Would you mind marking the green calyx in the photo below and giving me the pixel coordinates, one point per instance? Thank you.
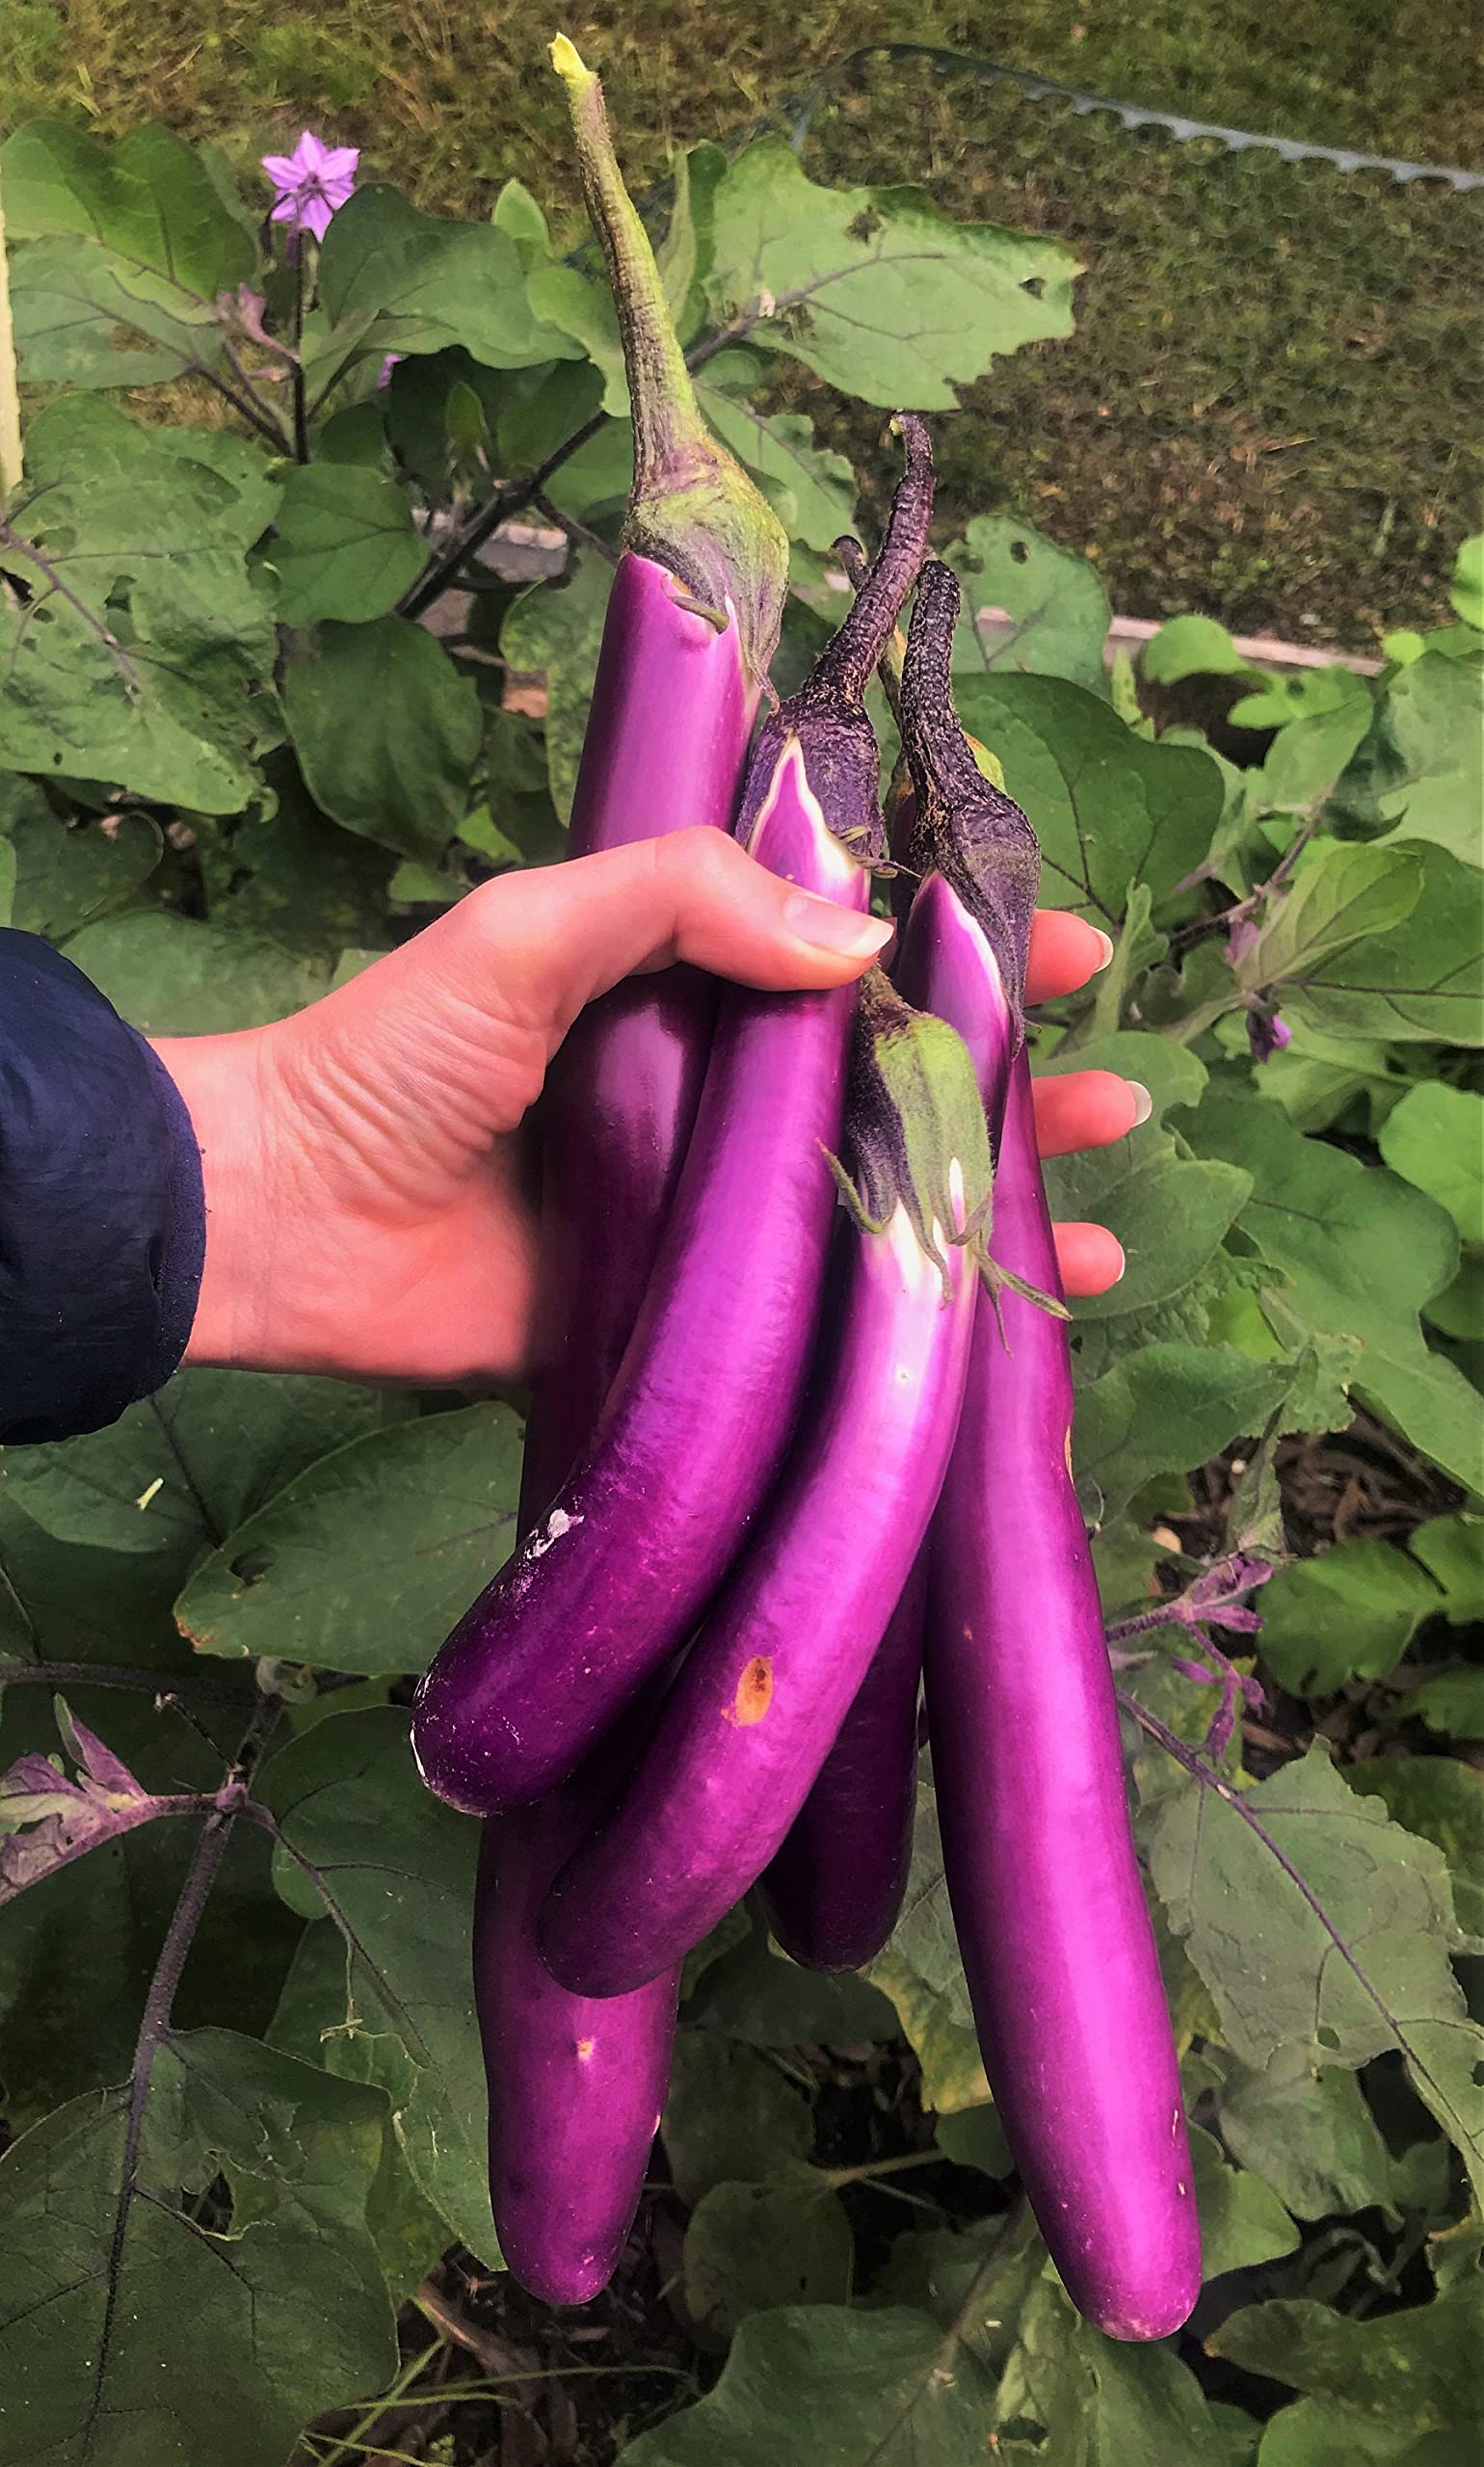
(918, 1139)
(693, 507)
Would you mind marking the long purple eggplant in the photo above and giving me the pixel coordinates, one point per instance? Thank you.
(1057, 1945)
(832, 1890)
(765, 1687)
(602, 1595)
(575, 2087)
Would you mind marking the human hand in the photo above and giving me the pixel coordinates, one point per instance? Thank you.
(367, 1214)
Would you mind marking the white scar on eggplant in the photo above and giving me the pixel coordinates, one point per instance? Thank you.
(557, 1523)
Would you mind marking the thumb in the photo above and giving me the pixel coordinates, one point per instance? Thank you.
(542, 945)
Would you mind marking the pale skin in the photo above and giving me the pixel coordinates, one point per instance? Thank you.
(368, 1211)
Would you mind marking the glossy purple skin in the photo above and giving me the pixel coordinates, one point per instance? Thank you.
(600, 1596)
(765, 1687)
(671, 717)
(576, 2086)
(1052, 1919)
(832, 1892)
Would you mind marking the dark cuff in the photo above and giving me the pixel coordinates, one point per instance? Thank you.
(103, 1216)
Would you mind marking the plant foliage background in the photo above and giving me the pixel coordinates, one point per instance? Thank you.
(272, 697)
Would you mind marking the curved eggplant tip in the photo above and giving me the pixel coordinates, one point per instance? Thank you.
(555, 2277)
(1128, 2304)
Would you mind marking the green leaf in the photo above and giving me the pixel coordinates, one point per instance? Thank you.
(815, 2385)
(1310, 751)
(128, 2318)
(730, 2115)
(140, 653)
(115, 248)
(1097, 2400)
(1468, 591)
(6, 882)
(392, 279)
(1442, 1799)
(1243, 2220)
(1163, 1409)
(1318, 2433)
(874, 288)
(1423, 979)
(1360, 1252)
(1451, 1549)
(1453, 1705)
(394, 1867)
(1343, 894)
(65, 874)
(751, 2245)
(177, 1472)
(1349, 1615)
(555, 632)
(1425, 2357)
(1308, 2132)
(1320, 1925)
(1110, 809)
(173, 977)
(344, 544)
(811, 487)
(387, 732)
(750, 1990)
(366, 1560)
(922, 1972)
(1056, 599)
(1192, 647)
(294, 876)
(975, 2138)
(1435, 1139)
(1435, 743)
(1169, 1210)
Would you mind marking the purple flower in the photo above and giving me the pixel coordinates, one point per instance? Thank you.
(1267, 1033)
(311, 183)
(388, 365)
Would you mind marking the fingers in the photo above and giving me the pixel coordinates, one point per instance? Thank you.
(1087, 1109)
(545, 943)
(1089, 1257)
(1064, 951)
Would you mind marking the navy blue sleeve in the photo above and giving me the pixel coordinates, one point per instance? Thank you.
(103, 1216)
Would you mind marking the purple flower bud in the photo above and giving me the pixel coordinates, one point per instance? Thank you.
(391, 360)
(1267, 1033)
(311, 183)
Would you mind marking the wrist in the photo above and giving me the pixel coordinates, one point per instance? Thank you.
(221, 1079)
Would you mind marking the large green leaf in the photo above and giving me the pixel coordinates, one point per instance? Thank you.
(134, 2327)
(366, 1560)
(66, 874)
(1110, 809)
(1420, 2366)
(1443, 1800)
(1433, 724)
(730, 2115)
(751, 2245)
(1421, 979)
(814, 2385)
(811, 487)
(1164, 1409)
(1243, 2220)
(179, 1471)
(169, 692)
(1359, 1254)
(1308, 2132)
(344, 544)
(1435, 1138)
(1319, 1925)
(1348, 1614)
(120, 252)
(555, 634)
(922, 1972)
(874, 288)
(1056, 599)
(1098, 2400)
(1169, 1209)
(174, 976)
(394, 1869)
(386, 732)
(1342, 894)
(392, 279)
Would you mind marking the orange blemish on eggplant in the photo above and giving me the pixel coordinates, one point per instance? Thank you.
(755, 1693)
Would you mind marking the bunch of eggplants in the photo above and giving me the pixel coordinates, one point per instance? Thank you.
(801, 1437)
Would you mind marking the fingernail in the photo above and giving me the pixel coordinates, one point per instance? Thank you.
(1143, 1103)
(1106, 940)
(1123, 1263)
(833, 928)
